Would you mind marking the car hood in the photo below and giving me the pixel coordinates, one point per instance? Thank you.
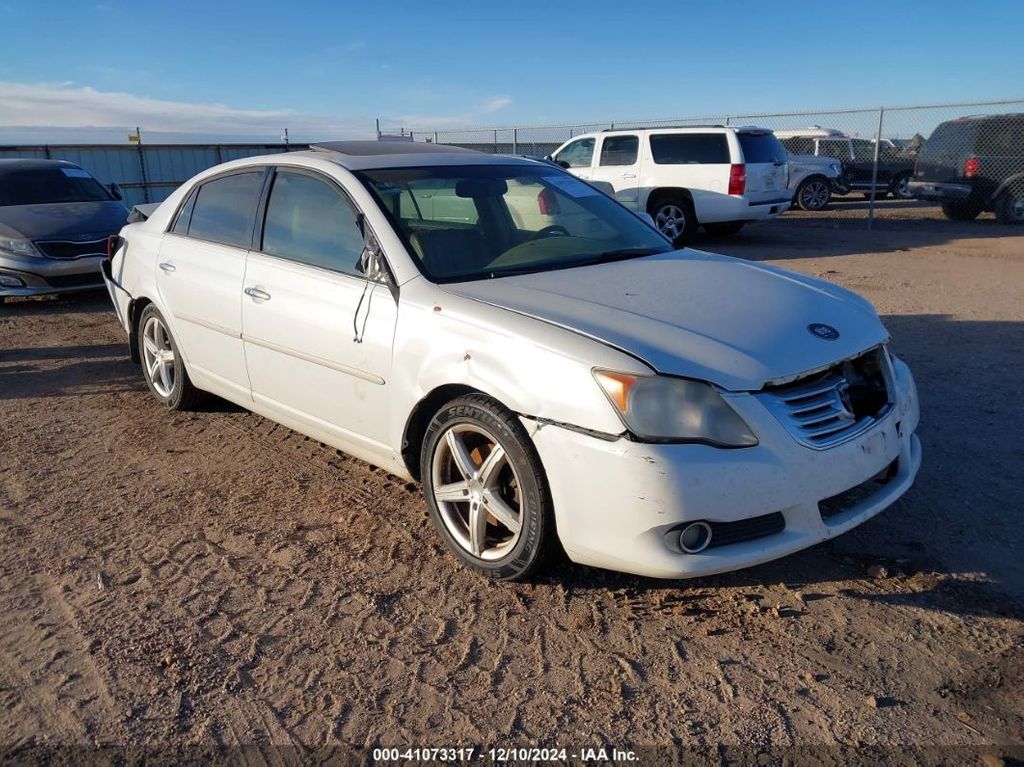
(735, 323)
(64, 220)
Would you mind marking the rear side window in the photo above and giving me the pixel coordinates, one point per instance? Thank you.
(690, 148)
(1001, 137)
(310, 221)
(225, 208)
(185, 215)
(619, 150)
(798, 145)
(759, 148)
(578, 154)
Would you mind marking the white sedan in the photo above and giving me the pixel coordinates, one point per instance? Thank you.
(537, 356)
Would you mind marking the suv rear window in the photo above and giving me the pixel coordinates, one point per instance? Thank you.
(761, 148)
(690, 148)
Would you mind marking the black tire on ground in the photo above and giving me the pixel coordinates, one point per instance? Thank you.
(1010, 207)
(899, 188)
(961, 211)
(723, 230)
(675, 218)
(174, 390)
(480, 425)
(814, 193)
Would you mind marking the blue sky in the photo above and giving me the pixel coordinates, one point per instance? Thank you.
(246, 70)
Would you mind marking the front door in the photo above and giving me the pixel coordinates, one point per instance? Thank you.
(317, 335)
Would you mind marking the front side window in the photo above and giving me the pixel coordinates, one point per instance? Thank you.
(578, 154)
(225, 209)
(48, 185)
(527, 218)
(838, 150)
(619, 150)
(310, 221)
(690, 148)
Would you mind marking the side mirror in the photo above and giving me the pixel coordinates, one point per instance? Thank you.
(371, 263)
(115, 191)
(562, 164)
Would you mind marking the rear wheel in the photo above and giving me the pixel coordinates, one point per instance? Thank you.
(814, 193)
(162, 365)
(485, 488)
(901, 187)
(1010, 207)
(961, 211)
(723, 230)
(675, 218)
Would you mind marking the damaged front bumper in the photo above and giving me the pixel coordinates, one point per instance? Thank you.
(620, 504)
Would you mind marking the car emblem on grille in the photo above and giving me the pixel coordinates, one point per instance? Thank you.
(822, 331)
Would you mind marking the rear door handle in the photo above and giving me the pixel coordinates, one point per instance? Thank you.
(167, 266)
(259, 295)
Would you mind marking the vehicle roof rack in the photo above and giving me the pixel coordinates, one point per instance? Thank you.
(666, 127)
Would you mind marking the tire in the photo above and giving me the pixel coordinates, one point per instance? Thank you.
(675, 218)
(813, 194)
(900, 189)
(961, 211)
(466, 480)
(162, 365)
(724, 230)
(1010, 207)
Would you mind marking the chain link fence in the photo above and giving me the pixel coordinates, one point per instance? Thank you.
(974, 167)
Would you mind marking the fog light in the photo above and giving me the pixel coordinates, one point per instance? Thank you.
(695, 537)
(10, 281)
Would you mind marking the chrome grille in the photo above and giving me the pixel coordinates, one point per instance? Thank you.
(818, 410)
(71, 249)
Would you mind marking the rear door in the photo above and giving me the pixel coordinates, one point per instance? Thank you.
(765, 160)
(318, 335)
(618, 163)
(199, 276)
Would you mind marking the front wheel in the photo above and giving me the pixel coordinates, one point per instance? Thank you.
(675, 218)
(162, 364)
(485, 488)
(814, 193)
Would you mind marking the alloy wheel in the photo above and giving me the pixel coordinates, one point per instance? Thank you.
(158, 356)
(477, 491)
(671, 221)
(814, 195)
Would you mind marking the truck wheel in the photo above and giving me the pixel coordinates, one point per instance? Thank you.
(901, 187)
(814, 193)
(1010, 207)
(674, 218)
(961, 211)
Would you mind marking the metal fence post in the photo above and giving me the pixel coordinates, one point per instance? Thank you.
(874, 169)
(435, 137)
(142, 167)
(495, 142)
(515, 141)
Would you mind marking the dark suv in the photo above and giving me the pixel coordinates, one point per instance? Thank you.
(974, 164)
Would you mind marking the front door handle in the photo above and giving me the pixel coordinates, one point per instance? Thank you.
(259, 295)
(167, 266)
(629, 175)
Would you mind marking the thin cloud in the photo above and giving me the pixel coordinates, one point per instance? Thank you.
(498, 102)
(65, 105)
(468, 118)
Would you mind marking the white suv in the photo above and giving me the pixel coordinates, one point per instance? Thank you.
(711, 176)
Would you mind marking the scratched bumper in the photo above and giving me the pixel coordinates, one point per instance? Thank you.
(616, 501)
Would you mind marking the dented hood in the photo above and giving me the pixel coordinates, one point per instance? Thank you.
(735, 323)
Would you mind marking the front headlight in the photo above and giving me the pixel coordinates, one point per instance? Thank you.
(18, 247)
(662, 408)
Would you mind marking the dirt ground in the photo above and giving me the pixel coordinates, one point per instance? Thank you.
(180, 579)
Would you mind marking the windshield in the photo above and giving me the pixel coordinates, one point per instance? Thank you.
(39, 186)
(475, 222)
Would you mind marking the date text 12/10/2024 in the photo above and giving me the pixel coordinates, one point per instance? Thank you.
(502, 755)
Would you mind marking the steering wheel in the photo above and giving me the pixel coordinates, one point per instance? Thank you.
(552, 230)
